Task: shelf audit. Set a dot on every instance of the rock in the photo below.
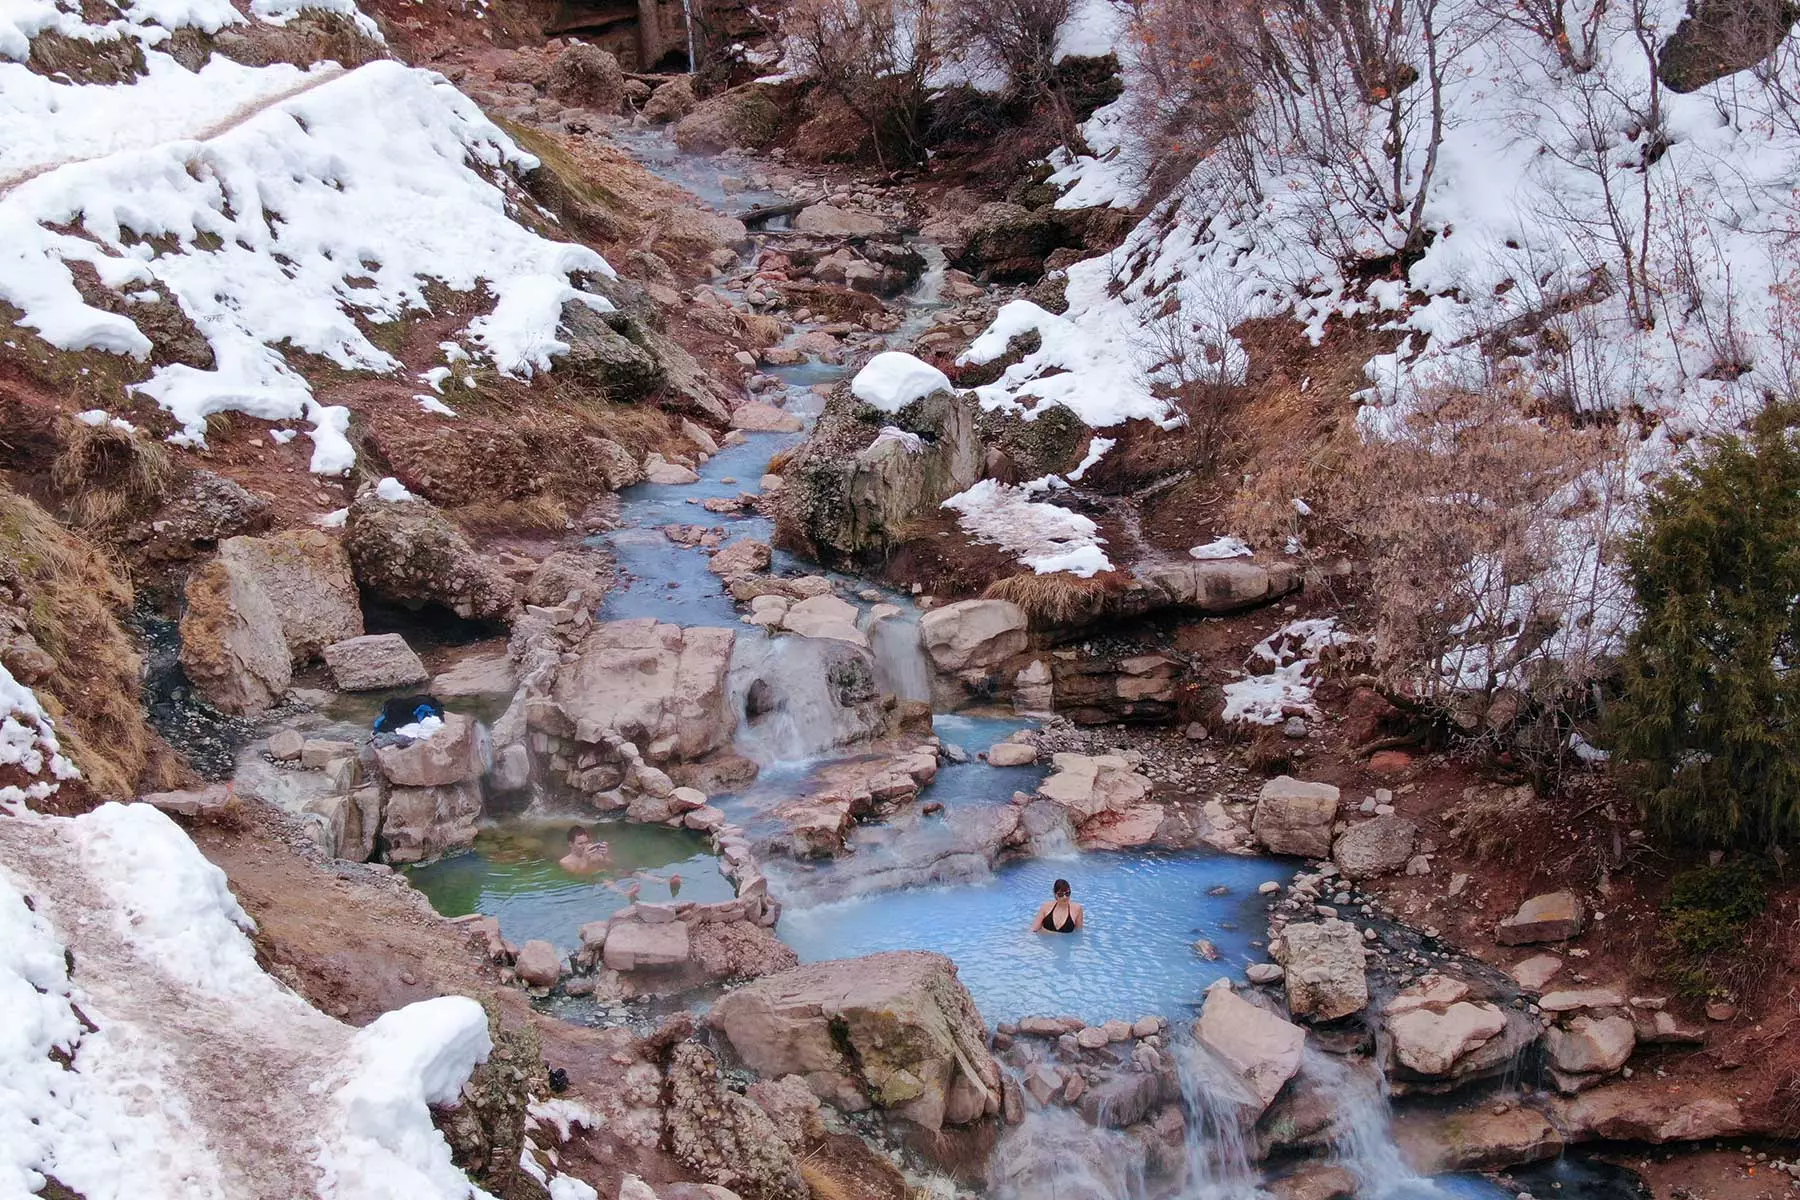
(743, 117)
(1649, 1111)
(195, 803)
(285, 744)
(974, 633)
(1325, 973)
(607, 352)
(306, 575)
(1011, 754)
(1375, 847)
(587, 76)
(538, 964)
(791, 1106)
(1717, 38)
(1219, 586)
(1089, 785)
(408, 553)
(232, 647)
(1573, 999)
(660, 471)
(1552, 917)
(374, 661)
(1475, 1138)
(421, 823)
(1430, 1041)
(1589, 1045)
(658, 686)
(896, 1030)
(204, 510)
(765, 418)
(483, 673)
(837, 222)
(723, 1136)
(1294, 817)
(824, 617)
(318, 753)
(1007, 242)
(351, 820)
(454, 754)
(635, 946)
(1264, 973)
(1317, 1181)
(745, 556)
(1533, 973)
(1261, 1048)
(670, 102)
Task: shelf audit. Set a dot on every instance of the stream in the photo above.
(906, 884)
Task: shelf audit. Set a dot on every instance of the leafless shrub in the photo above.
(875, 56)
(1018, 37)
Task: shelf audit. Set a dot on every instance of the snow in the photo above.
(126, 1109)
(1292, 654)
(28, 745)
(1097, 448)
(1089, 360)
(567, 1187)
(393, 491)
(282, 437)
(1093, 30)
(275, 207)
(335, 519)
(432, 404)
(1045, 537)
(892, 380)
(99, 416)
(911, 442)
(1223, 547)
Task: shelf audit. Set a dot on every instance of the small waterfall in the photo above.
(1218, 1111)
(900, 664)
(687, 16)
(1055, 1155)
(926, 296)
(1363, 1136)
(798, 697)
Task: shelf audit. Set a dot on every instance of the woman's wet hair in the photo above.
(579, 831)
(1060, 888)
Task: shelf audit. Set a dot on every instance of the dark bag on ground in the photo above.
(402, 711)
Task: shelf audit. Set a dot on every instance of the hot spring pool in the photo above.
(512, 874)
(1135, 956)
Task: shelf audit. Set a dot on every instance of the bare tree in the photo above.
(876, 57)
(1019, 37)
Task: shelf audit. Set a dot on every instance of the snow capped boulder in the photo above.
(658, 686)
(1295, 817)
(408, 553)
(897, 1031)
(1261, 1048)
(1324, 960)
(374, 661)
(974, 634)
(892, 380)
(232, 647)
(1378, 846)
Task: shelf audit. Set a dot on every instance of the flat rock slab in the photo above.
(635, 946)
(1551, 917)
(374, 661)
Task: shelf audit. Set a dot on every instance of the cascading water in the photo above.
(1363, 1138)
(1055, 1155)
(798, 697)
(1219, 1111)
(900, 665)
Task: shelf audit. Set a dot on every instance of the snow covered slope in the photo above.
(282, 210)
(164, 1064)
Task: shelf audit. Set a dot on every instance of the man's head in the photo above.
(580, 838)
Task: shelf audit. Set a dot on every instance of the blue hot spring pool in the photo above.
(1136, 956)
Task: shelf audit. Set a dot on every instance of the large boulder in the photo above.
(408, 553)
(1482, 1136)
(1551, 917)
(306, 574)
(203, 510)
(974, 634)
(670, 102)
(1090, 785)
(1379, 846)
(1651, 1110)
(1261, 1048)
(897, 1031)
(1591, 1045)
(455, 753)
(1722, 37)
(1431, 1027)
(839, 222)
(723, 1135)
(744, 117)
(588, 77)
(421, 823)
(1295, 817)
(374, 661)
(866, 476)
(659, 686)
(231, 642)
(603, 355)
(1324, 961)
(1214, 586)
(1008, 243)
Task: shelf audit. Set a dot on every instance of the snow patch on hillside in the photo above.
(28, 746)
(1045, 537)
(276, 222)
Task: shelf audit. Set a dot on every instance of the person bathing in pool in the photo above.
(1060, 914)
(585, 855)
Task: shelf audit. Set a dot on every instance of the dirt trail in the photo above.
(223, 125)
(257, 1091)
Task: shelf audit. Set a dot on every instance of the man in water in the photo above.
(585, 855)
(1059, 914)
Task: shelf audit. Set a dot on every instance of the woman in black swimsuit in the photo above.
(1059, 915)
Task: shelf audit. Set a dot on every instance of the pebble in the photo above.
(1267, 888)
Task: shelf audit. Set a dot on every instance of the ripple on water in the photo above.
(1136, 955)
(512, 874)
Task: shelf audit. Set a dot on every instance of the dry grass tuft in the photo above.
(1059, 600)
(107, 474)
(533, 514)
(69, 598)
